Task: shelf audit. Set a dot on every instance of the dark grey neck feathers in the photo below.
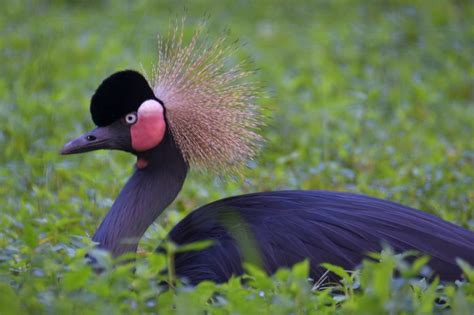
(146, 194)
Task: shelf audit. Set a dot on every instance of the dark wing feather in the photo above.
(289, 226)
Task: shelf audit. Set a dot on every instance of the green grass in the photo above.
(374, 98)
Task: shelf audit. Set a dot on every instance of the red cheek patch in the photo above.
(150, 127)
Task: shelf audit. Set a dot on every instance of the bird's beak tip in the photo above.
(65, 150)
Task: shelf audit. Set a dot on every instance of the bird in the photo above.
(197, 112)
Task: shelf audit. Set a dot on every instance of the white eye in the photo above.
(131, 118)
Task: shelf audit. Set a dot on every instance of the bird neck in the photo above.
(146, 194)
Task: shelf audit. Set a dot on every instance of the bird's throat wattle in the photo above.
(143, 159)
(142, 162)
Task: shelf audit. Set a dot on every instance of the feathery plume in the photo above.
(210, 106)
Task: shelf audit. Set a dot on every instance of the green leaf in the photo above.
(195, 246)
(9, 302)
(467, 269)
(76, 279)
(339, 271)
(301, 270)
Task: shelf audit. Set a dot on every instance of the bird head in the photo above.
(128, 117)
(207, 107)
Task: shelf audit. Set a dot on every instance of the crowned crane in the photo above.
(195, 112)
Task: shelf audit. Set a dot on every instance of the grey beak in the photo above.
(96, 139)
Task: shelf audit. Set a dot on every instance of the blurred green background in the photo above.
(371, 97)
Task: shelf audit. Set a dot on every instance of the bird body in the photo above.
(322, 226)
(197, 114)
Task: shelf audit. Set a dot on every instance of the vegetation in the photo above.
(375, 98)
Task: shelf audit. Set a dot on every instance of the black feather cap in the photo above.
(119, 94)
